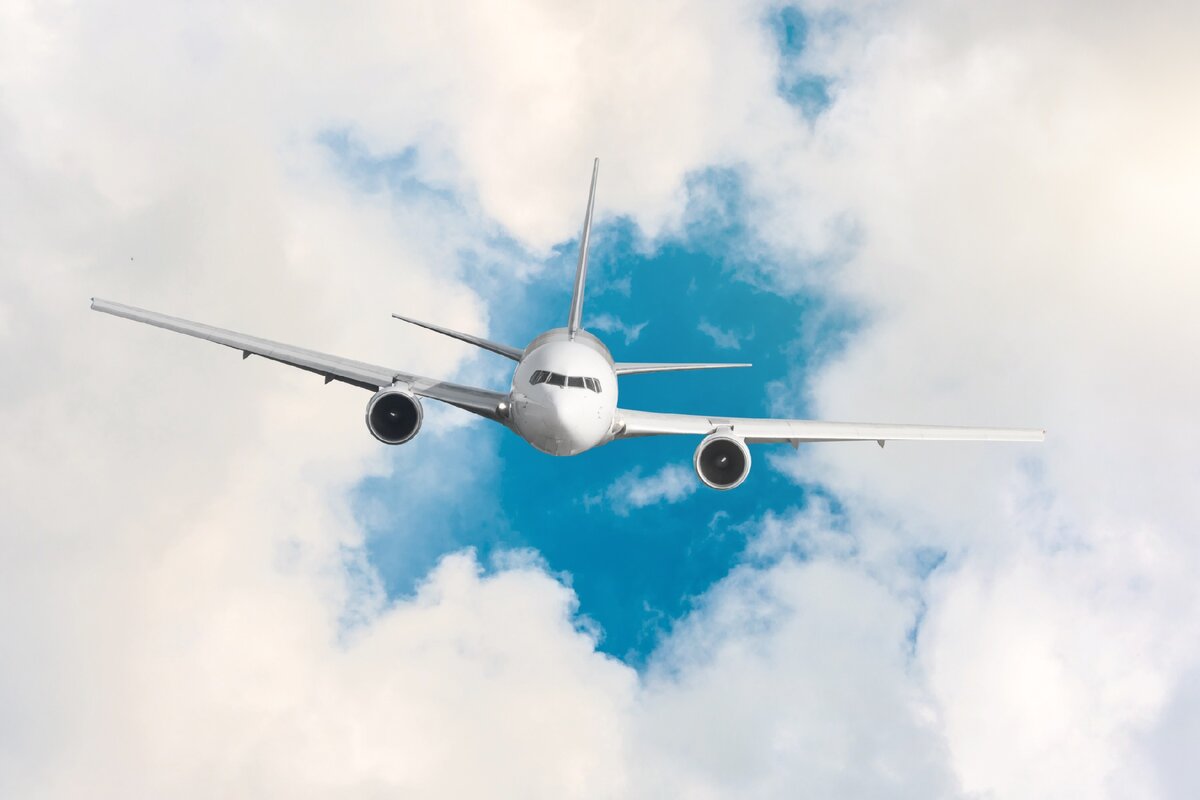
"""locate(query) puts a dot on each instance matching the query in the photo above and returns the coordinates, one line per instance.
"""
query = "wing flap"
(356, 373)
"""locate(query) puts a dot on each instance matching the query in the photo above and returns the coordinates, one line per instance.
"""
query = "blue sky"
(635, 570)
(702, 295)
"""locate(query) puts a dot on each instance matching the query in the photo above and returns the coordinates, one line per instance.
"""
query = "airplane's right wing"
(648, 423)
(333, 368)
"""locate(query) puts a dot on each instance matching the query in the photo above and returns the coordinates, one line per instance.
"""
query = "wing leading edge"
(648, 423)
(333, 368)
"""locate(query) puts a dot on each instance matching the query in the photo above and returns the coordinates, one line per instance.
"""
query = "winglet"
(575, 320)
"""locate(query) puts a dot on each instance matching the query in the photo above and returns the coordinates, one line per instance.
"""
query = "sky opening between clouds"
(214, 582)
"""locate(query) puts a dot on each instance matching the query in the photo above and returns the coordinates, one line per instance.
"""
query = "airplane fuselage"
(564, 393)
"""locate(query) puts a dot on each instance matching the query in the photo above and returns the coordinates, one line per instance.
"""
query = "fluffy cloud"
(1019, 179)
(671, 484)
(725, 339)
(1006, 189)
(184, 588)
(607, 323)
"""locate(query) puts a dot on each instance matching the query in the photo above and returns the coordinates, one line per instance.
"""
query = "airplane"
(563, 396)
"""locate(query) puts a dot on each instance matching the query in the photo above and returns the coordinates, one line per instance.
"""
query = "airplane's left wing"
(648, 423)
(332, 368)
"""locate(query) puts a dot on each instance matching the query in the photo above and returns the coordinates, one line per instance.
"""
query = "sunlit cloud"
(1003, 193)
(633, 490)
(607, 323)
(724, 339)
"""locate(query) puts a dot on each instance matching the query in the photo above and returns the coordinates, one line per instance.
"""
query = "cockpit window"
(554, 379)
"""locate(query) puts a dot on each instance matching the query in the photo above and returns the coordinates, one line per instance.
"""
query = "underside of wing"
(332, 368)
(648, 423)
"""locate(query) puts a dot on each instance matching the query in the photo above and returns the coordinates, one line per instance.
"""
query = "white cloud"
(607, 323)
(782, 682)
(725, 339)
(1026, 261)
(671, 484)
(1019, 180)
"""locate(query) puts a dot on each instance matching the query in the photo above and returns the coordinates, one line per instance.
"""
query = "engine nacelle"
(722, 461)
(394, 416)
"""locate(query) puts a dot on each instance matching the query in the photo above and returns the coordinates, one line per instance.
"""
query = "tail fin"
(575, 320)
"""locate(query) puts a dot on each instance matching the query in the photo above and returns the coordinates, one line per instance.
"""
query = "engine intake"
(394, 416)
(722, 461)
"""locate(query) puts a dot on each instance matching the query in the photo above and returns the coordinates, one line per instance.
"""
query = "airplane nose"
(556, 402)
(556, 408)
(563, 414)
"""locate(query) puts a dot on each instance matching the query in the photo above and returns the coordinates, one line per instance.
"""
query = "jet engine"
(722, 461)
(394, 416)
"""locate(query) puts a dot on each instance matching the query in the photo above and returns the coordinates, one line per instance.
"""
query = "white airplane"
(563, 398)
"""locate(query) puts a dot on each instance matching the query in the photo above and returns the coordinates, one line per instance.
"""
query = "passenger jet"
(563, 398)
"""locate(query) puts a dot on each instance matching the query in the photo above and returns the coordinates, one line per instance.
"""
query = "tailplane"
(575, 320)
(641, 368)
(500, 349)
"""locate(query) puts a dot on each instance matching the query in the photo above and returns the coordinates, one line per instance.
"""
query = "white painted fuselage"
(564, 393)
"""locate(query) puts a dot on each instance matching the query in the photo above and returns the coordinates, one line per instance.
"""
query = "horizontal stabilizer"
(500, 349)
(640, 368)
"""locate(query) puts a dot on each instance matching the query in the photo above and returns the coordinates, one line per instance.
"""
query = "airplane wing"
(648, 423)
(333, 368)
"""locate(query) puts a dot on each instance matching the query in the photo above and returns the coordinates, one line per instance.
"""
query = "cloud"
(671, 484)
(1024, 263)
(607, 323)
(726, 340)
(1004, 190)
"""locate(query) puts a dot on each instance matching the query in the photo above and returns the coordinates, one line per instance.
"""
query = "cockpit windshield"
(573, 381)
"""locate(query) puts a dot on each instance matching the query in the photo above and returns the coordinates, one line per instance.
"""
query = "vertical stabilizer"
(575, 320)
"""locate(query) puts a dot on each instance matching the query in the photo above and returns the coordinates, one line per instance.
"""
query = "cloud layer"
(1004, 191)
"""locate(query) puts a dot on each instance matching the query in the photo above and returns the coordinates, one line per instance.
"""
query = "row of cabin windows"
(554, 379)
